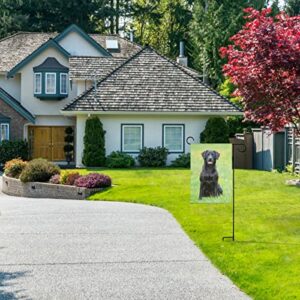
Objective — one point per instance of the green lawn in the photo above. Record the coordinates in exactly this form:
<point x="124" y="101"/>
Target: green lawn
<point x="265" y="260"/>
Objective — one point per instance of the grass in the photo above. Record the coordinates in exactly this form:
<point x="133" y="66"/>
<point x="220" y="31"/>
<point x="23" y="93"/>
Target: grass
<point x="265" y="260"/>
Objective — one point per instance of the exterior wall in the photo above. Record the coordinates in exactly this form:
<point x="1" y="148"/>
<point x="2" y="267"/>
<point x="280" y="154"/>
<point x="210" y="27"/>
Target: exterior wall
<point x="35" y="105"/>
<point x="11" y="85"/>
<point x="77" y="45"/>
<point x="194" y="125"/>
<point x="55" y="121"/>
<point x="17" y="122"/>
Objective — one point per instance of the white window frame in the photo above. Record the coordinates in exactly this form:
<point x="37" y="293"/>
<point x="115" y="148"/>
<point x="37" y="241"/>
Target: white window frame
<point x="182" y="137"/>
<point x="60" y="83"/>
<point x="41" y="83"/>
<point x="123" y="126"/>
<point x="7" y="126"/>
<point x="46" y="85"/>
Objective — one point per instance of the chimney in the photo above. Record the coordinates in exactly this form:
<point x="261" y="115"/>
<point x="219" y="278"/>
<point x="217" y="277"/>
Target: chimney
<point x="131" y="37"/>
<point x="182" y="59"/>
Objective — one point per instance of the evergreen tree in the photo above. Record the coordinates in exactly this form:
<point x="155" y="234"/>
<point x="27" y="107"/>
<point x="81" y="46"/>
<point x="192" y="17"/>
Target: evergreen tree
<point x="94" y="143"/>
<point x="52" y="15"/>
<point x="162" y="23"/>
<point x="214" y="22"/>
<point x="292" y="7"/>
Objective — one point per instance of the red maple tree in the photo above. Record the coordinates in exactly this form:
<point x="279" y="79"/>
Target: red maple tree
<point x="264" y="64"/>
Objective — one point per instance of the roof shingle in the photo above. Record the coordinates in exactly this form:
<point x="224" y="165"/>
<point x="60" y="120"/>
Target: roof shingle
<point x="149" y="82"/>
<point x="88" y="67"/>
<point x="15" y="48"/>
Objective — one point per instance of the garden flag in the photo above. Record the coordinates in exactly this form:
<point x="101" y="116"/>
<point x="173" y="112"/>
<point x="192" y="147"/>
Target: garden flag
<point x="211" y="173"/>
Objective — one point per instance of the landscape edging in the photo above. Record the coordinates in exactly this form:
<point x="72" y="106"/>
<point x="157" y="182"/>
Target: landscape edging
<point x="14" y="187"/>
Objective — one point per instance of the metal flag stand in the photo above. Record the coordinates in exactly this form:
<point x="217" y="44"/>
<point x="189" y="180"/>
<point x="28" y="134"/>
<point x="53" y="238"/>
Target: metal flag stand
<point x="242" y="148"/>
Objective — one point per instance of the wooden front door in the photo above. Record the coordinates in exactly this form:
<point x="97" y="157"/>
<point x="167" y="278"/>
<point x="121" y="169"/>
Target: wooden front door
<point x="47" y="142"/>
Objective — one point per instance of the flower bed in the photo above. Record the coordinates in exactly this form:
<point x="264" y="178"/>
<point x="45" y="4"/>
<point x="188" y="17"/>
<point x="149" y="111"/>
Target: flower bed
<point x="14" y="187"/>
<point x="42" y="179"/>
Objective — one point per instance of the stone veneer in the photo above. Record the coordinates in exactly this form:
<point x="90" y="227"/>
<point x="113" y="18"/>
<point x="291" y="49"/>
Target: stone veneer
<point x="17" y="122"/>
<point x="15" y="187"/>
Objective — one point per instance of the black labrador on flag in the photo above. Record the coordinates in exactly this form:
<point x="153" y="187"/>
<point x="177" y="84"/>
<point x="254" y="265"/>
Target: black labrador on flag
<point x="209" y="186"/>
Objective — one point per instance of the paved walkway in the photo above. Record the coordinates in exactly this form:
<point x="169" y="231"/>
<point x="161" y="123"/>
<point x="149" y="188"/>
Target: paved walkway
<point x="64" y="249"/>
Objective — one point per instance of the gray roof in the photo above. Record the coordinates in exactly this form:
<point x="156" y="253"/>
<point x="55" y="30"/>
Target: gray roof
<point x="15" y="48"/>
<point x="150" y="82"/>
<point x="87" y="67"/>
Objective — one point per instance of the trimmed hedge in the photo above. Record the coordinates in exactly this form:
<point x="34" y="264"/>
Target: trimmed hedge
<point x="94" y="143"/>
<point x="182" y="161"/>
<point x="13" y="149"/>
<point x="118" y="159"/>
<point x="153" y="157"/>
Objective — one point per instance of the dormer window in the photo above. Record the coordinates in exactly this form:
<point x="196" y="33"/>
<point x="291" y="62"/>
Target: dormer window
<point x="51" y="80"/>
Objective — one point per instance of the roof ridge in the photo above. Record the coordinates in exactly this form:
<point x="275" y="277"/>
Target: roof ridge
<point x="25" y="32"/>
<point x="106" y="77"/>
<point x="100" y="57"/>
<point x="183" y="69"/>
<point x="134" y="56"/>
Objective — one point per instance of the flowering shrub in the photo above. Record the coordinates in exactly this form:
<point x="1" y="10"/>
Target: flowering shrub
<point x="55" y="179"/>
<point x="13" y="168"/>
<point x="93" y="180"/>
<point x="68" y="178"/>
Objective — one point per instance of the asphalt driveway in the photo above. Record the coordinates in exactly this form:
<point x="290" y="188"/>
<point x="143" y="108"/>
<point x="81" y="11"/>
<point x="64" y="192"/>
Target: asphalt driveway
<point x="64" y="249"/>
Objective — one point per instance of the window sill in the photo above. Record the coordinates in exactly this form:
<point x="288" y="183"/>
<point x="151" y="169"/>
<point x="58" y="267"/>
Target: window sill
<point x="51" y="97"/>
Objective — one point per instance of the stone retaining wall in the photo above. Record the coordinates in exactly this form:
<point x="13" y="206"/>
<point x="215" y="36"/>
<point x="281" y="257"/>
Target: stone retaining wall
<point x="15" y="187"/>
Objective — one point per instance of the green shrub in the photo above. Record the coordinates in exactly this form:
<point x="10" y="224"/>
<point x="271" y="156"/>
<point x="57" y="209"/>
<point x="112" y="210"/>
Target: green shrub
<point x="39" y="170"/>
<point x="13" y="149"/>
<point x="216" y="131"/>
<point x="69" y="146"/>
<point x="94" y="143"/>
<point x="182" y="161"/>
<point x="118" y="159"/>
<point x="153" y="157"/>
<point x="238" y="125"/>
<point x="13" y="168"/>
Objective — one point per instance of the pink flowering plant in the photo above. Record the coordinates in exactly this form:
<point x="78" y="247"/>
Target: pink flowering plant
<point x="93" y="180"/>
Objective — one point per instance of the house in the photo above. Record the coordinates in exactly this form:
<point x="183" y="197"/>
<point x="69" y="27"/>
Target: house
<point x="50" y="81"/>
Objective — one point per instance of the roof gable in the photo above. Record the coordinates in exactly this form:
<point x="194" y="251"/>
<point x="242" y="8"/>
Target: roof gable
<point x="12" y="102"/>
<point x="85" y="36"/>
<point x="15" y="48"/>
<point x="151" y="82"/>
<point x="39" y="50"/>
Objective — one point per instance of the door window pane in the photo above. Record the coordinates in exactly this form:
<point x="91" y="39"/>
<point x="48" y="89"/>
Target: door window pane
<point x="132" y="136"/>
<point x="173" y="138"/>
<point x="50" y="83"/>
